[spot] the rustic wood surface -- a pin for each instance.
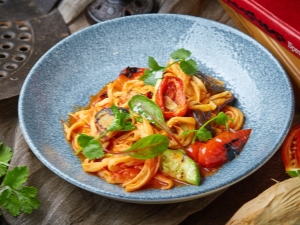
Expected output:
(63, 203)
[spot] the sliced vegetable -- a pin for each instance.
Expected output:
(212, 85)
(170, 97)
(178, 165)
(220, 149)
(290, 152)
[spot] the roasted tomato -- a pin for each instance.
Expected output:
(290, 152)
(220, 149)
(129, 73)
(170, 97)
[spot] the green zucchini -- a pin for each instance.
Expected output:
(178, 165)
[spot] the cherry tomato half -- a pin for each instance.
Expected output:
(171, 89)
(220, 149)
(290, 152)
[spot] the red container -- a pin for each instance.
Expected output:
(276, 25)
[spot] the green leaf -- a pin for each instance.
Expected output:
(149, 77)
(17, 201)
(147, 108)
(180, 54)
(27, 200)
(149, 147)
(5, 156)
(203, 134)
(222, 119)
(93, 150)
(15, 197)
(153, 64)
(16, 177)
(83, 140)
(119, 123)
(10, 202)
(189, 67)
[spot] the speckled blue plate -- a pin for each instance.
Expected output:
(80, 65)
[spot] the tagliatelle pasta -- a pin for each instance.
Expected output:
(118, 167)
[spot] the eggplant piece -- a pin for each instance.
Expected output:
(225, 103)
(201, 118)
(210, 83)
(104, 118)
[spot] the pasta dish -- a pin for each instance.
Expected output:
(158, 127)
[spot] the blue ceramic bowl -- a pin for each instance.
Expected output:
(80, 65)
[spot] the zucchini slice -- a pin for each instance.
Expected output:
(178, 165)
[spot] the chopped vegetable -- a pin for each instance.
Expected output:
(170, 97)
(290, 152)
(219, 150)
(178, 165)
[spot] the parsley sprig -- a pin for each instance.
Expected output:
(15, 197)
(203, 134)
(155, 72)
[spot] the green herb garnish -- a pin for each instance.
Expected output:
(120, 122)
(148, 109)
(15, 197)
(203, 134)
(151, 111)
(155, 72)
(149, 147)
(91, 148)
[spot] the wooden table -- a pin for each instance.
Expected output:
(223, 207)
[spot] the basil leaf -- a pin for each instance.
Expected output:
(149, 147)
(147, 108)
